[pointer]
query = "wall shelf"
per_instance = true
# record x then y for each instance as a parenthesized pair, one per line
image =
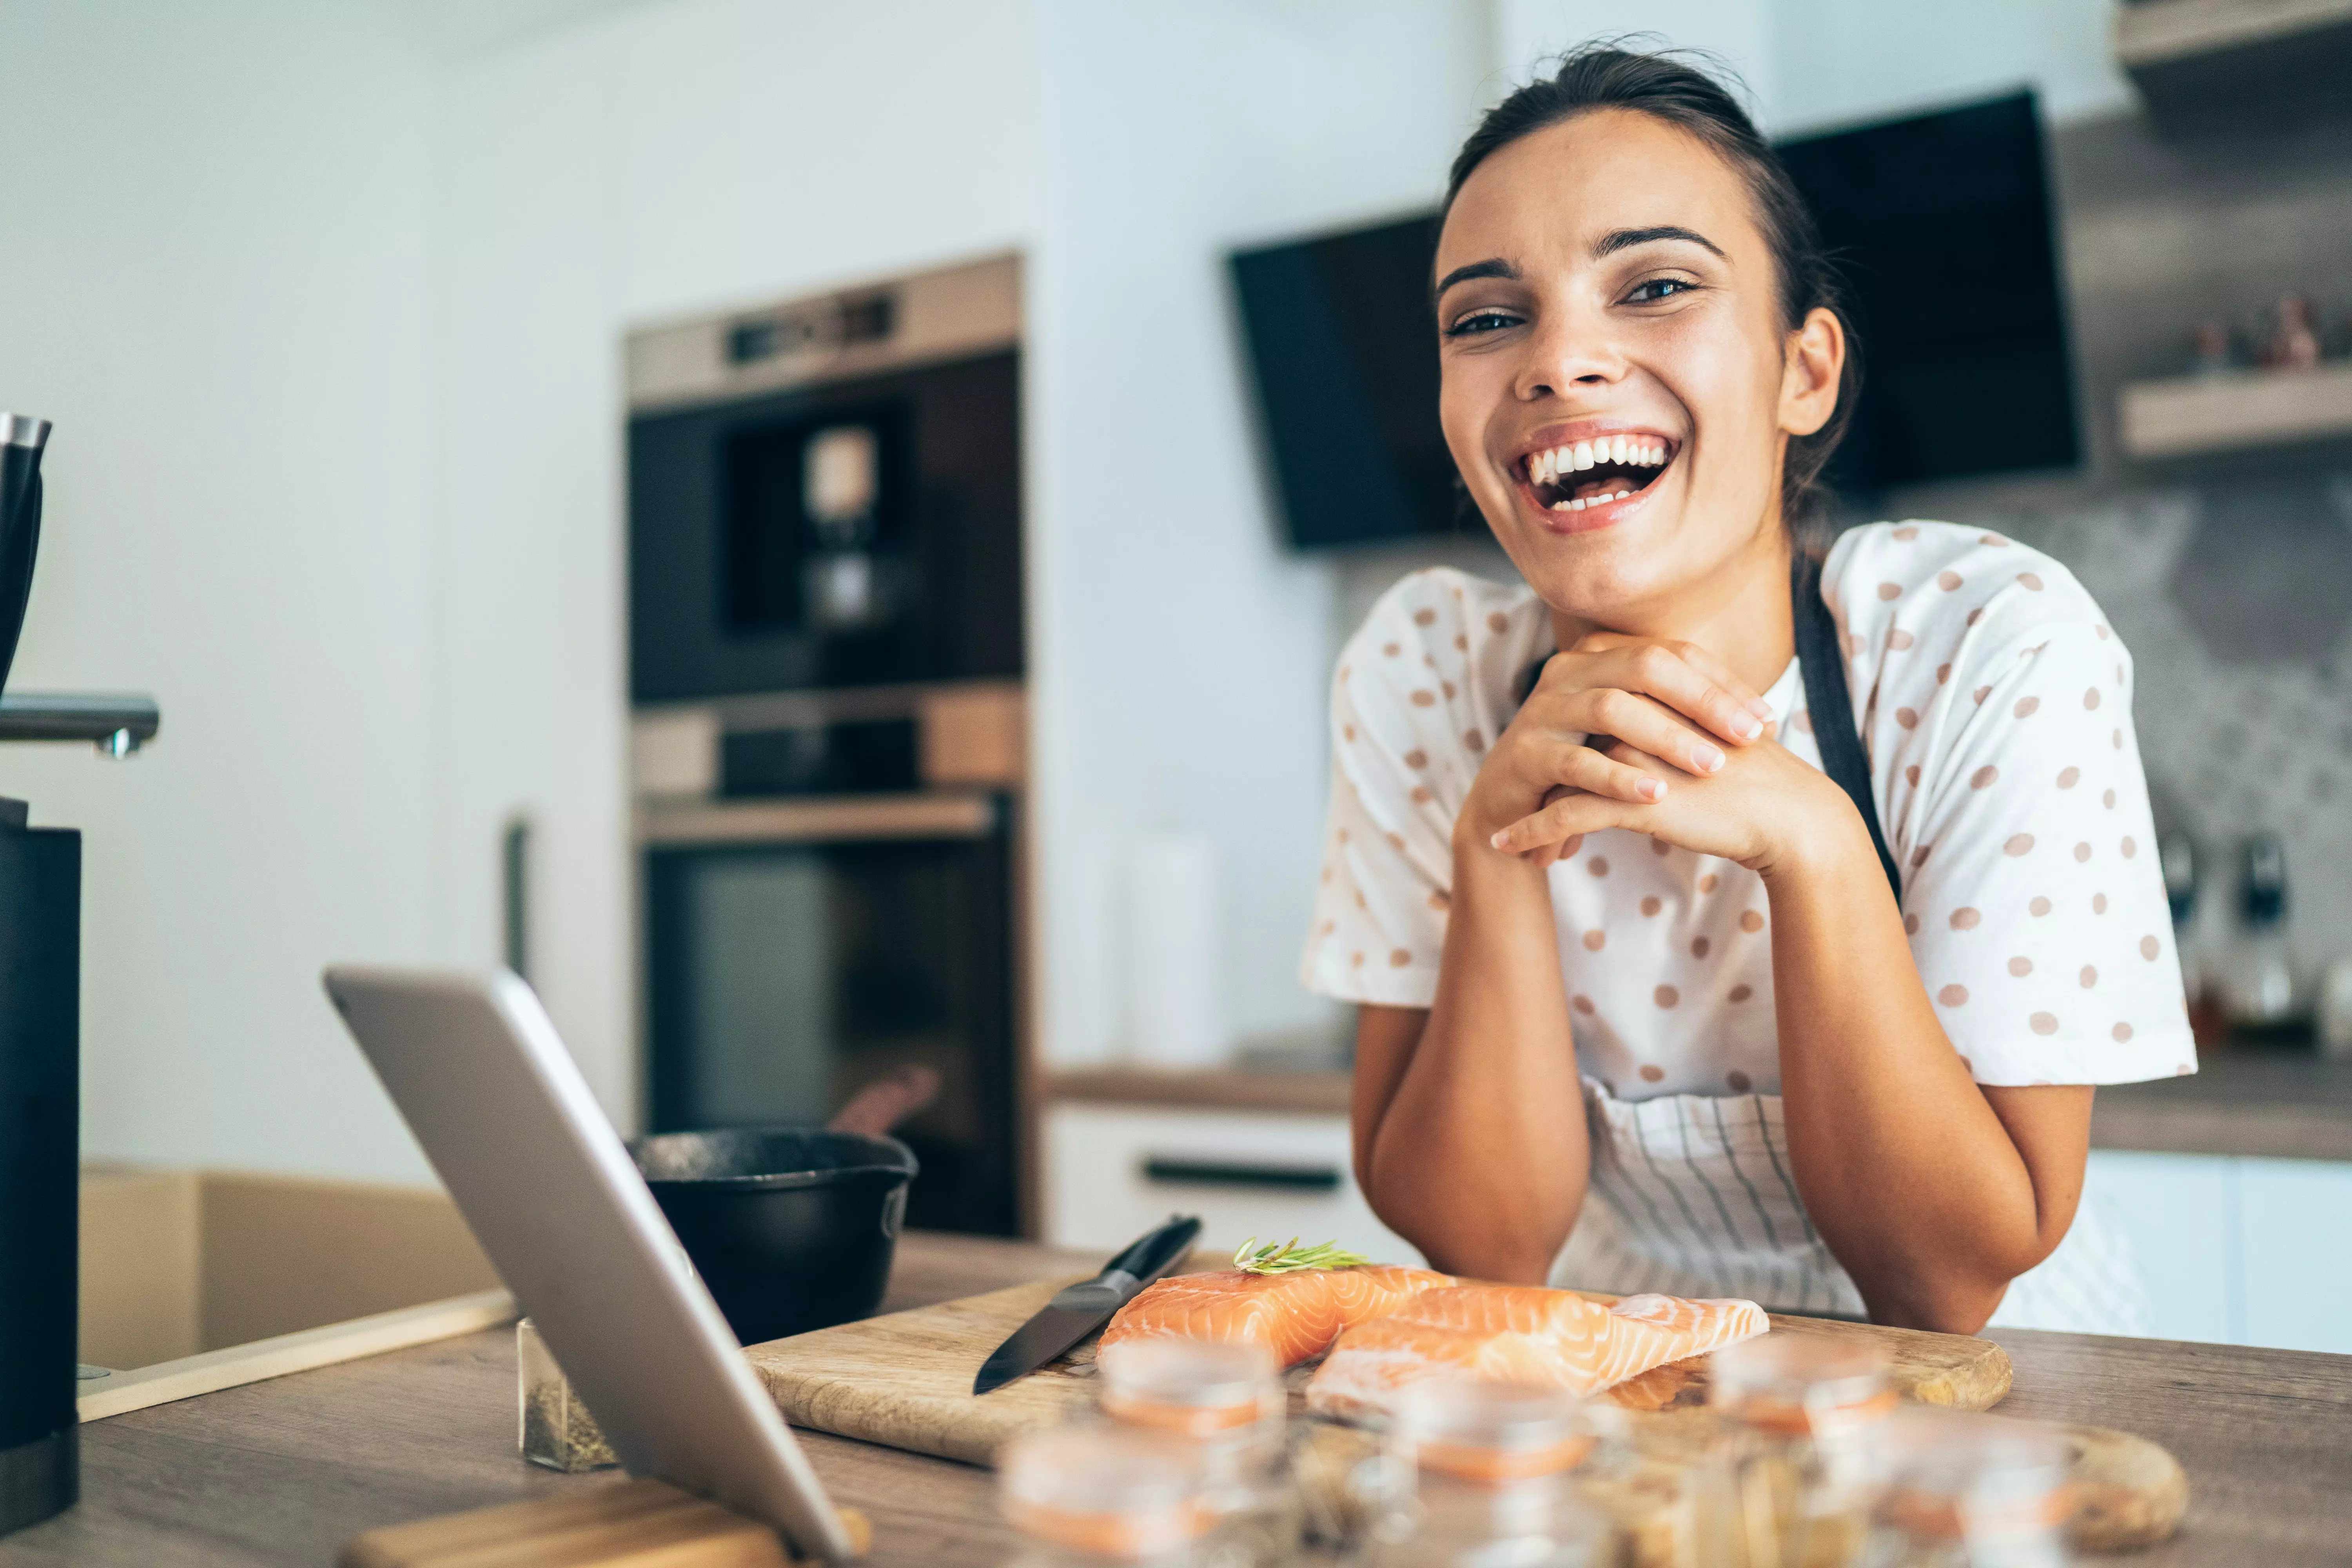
(2201, 62)
(2238, 411)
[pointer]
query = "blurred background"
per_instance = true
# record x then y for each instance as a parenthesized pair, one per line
(805, 529)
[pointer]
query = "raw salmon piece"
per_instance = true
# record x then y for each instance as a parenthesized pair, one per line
(1522, 1333)
(1296, 1315)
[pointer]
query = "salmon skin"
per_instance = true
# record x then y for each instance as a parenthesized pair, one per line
(1521, 1333)
(1297, 1315)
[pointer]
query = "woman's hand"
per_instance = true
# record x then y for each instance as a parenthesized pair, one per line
(1598, 723)
(1616, 729)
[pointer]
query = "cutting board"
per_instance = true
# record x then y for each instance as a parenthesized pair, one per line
(905, 1380)
(640, 1523)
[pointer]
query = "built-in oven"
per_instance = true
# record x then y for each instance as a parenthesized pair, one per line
(797, 951)
(829, 733)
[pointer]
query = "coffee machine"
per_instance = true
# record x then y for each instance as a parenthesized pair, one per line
(40, 1045)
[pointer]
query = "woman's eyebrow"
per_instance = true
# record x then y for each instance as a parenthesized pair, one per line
(1618, 239)
(1492, 267)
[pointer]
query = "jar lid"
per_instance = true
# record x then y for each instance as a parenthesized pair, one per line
(1481, 1431)
(1794, 1383)
(1198, 1387)
(1111, 1490)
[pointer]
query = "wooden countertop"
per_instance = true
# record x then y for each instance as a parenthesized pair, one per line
(2281, 1104)
(284, 1472)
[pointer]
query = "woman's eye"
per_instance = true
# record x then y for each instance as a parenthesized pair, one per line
(1657, 289)
(1481, 322)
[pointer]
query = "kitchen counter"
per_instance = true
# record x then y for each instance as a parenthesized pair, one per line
(284, 1472)
(2247, 1100)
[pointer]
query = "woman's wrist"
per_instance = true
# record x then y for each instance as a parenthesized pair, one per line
(1476, 859)
(1825, 840)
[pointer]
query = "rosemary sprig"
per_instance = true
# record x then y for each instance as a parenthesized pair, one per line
(1289, 1257)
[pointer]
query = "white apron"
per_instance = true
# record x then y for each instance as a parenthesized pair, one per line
(1692, 1196)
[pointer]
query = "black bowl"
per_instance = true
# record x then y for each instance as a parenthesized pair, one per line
(790, 1228)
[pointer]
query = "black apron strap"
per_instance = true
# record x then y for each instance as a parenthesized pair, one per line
(1822, 661)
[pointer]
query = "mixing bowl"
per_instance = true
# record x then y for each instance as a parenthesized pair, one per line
(791, 1229)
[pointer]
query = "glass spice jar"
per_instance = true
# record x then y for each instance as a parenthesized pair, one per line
(1800, 1460)
(1491, 1464)
(556, 1429)
(1227, 1403)
(1099, 1494)
(1972, 1491)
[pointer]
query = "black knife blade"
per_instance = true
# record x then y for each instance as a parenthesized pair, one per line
(1077, 1310)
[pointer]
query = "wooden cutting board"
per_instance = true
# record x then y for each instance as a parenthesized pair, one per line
(905, 1380)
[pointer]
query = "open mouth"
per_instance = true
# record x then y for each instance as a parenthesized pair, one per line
(1581, 474)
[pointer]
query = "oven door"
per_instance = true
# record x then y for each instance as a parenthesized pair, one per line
(797, 950)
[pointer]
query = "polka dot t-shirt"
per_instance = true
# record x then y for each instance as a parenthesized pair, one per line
(1995, 704)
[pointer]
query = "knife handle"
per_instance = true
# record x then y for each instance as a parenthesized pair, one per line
(1154, 1255)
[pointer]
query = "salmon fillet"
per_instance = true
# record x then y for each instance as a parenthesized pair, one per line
(1296, 1315)
(1522, 1333)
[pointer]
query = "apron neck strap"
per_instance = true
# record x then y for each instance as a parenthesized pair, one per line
(1822, 663)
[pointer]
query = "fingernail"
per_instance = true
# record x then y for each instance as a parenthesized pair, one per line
(1501, 840)
(1706, 757)
(1650, 789)
(1744, 727)
(1761, 709)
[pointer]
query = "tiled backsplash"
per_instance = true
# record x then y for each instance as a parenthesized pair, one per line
(2239, 623)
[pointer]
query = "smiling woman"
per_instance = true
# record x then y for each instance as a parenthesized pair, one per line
(1813, 1010)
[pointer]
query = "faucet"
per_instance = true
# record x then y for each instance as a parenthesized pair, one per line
(117, 725)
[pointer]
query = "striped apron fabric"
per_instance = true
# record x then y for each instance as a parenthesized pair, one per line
(1693, 1196)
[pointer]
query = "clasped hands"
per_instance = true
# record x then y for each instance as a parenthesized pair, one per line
(1657, 737)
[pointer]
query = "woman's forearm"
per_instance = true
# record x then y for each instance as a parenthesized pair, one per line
(1910, 1178)
(1478, 1156)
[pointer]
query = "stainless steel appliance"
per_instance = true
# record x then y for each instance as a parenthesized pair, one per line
(825, 664)
(40, 1040)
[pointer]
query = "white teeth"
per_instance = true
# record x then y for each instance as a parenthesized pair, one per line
(1539, 470)
(1617, 450)
(1584, 454)
(1576, 506)
(1564, 505)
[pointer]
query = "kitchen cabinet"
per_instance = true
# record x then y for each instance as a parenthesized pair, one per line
(1113, 1172)
(2237, 1250)
(2296, 1220)
(2180, 1212)
(2233, 1249)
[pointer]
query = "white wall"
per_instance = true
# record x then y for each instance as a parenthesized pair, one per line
(644, 163)
(1851, 60)
(212, 278)
(1815, 63)
(1181, 654)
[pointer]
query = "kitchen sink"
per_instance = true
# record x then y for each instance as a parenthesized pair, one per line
(194, 1280)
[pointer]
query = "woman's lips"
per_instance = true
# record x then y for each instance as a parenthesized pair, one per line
(1594, 514)
(1577, 479)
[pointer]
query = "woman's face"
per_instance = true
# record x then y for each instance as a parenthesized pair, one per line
(1604, 281)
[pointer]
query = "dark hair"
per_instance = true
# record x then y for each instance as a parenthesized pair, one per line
(1667, 86)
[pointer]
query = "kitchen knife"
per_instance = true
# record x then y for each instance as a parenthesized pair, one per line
(1077, 1310)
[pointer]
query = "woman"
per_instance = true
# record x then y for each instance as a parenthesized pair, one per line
(1824, 1039)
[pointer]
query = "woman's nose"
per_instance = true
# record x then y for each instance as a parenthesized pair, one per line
(1568, 349)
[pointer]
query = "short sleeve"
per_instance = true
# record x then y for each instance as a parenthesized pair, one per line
(1420, 691)
(1997, 707)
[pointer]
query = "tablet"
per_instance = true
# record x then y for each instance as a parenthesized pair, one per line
(476, 1068)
